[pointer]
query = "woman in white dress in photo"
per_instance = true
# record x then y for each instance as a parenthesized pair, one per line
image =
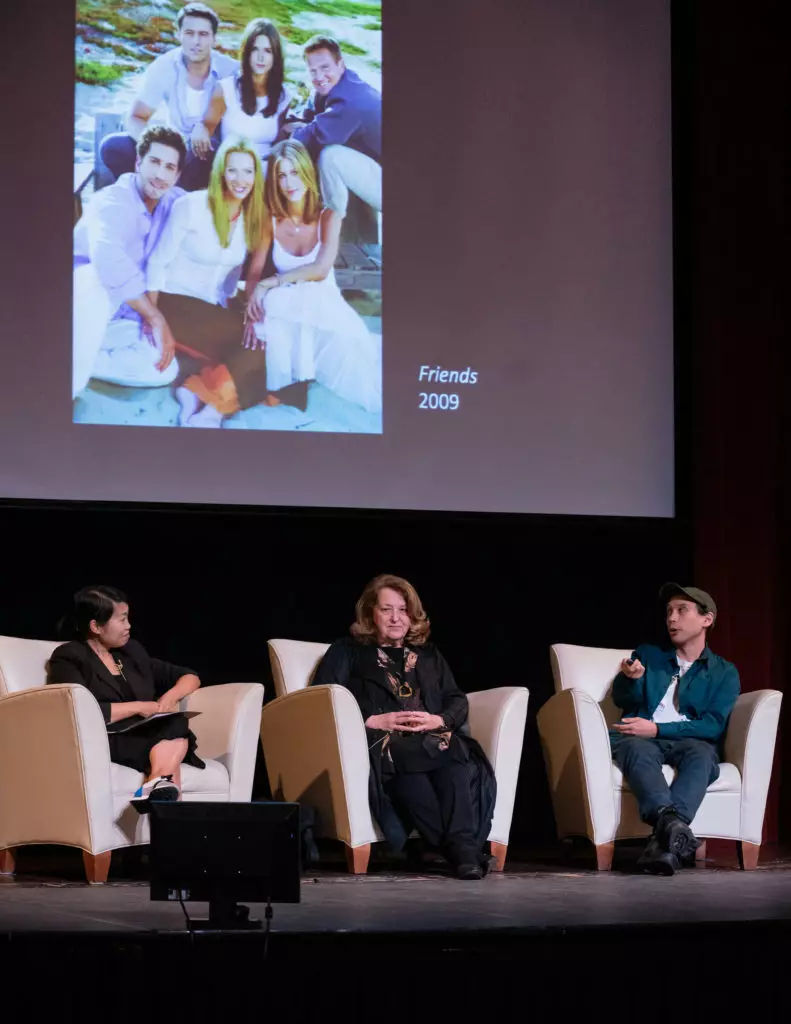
(252, 103)
(308, 330)
(194, 273)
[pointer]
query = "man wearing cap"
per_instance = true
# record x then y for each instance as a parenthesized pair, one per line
(675, 703)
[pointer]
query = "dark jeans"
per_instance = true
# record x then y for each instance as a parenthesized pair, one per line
(439, 804)
(696, 763)
(119, 155)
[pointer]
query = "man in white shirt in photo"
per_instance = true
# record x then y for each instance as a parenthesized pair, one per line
(118, 334)
(183, 79)
(676, 703)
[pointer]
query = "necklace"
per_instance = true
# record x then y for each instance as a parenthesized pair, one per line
(398, 677)
(297, 227)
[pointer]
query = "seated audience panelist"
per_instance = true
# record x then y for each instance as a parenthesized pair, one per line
(425, 773)
(127, 682)
(676, 703)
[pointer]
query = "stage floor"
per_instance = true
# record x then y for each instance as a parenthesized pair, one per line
(528, 897)
(543, 942)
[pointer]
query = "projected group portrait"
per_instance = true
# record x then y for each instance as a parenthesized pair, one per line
(228, 215)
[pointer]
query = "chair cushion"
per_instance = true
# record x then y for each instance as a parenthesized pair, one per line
(729, 781)
(211, 782)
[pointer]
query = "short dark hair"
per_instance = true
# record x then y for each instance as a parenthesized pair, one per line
(323, 43)
(90, 604)
(197, 10)
(165, 137)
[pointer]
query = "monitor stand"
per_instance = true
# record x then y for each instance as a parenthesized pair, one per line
(225, 915)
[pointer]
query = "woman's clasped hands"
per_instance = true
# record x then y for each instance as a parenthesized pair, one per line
(406, 721)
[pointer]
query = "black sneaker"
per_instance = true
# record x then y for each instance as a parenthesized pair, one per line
(162, 790)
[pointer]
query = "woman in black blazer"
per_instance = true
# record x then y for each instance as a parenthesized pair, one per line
(426, 770)
(126, 682)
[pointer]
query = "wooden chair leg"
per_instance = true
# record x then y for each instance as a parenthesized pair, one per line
(748, 855)
(604, 855)
(357, 858)
(97, 866)
(499, 851)
(7, 862)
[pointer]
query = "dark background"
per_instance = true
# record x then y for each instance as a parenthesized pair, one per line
(209, 586)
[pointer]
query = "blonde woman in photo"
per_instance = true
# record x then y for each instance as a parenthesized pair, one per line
(308, 330)
(195, 272)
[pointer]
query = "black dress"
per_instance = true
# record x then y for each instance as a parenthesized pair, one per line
(144, 678)
(441, 783)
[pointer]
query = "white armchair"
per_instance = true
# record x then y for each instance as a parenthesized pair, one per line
(316, 750)
(57, 783)
(589, 794)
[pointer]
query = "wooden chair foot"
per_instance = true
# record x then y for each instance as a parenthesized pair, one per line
(748, 855)
(7, 862)
(97, 866)
(499, 851)
(357, 858)
(604, 856)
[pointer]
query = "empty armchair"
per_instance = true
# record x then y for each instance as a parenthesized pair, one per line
(57, 783)
(589, 794)
(316, 750)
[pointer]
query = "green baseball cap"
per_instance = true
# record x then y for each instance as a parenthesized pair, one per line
(700, 597)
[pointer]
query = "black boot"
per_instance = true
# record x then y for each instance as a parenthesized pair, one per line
(470, 871)
(656, 861)
(675, 835)
(465, 862)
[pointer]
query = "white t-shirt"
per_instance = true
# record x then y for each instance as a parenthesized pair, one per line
(259, 130)
(189, 259)
(196, 102)
(667, 711)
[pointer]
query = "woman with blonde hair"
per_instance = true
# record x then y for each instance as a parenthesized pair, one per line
(426, 772)
(194, 273)
(309, 331)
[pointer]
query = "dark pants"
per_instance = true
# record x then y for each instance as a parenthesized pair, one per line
(439, 804)
(216, 332)
(696, 763)
(119, 155)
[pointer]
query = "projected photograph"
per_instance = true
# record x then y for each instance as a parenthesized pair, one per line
(228, 215)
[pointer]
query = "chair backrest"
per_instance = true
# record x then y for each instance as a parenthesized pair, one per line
(294, 663)
(23, 663)
(591, 669)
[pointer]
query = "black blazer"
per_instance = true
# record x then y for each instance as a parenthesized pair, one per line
(145, 678)
(352, 664)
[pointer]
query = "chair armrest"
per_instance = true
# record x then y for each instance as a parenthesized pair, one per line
(750, 745)
(55, 782)
(576, 745)
(316, 753)
(497, 721)
(227, 730)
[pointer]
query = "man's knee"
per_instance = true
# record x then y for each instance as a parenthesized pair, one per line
(694, 750)
(631, 749)
(331, 157)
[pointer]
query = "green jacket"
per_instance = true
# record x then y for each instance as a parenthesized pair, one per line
(706, 693)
